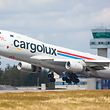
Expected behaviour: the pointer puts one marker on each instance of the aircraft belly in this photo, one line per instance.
(105, 74)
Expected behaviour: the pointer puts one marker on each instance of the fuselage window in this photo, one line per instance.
(11, 36)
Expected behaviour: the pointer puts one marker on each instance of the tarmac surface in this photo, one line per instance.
(21, 91)
(11, 89)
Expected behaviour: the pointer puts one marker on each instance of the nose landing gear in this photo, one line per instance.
(51, 77)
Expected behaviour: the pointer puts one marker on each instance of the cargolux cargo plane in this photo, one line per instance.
(35, 55)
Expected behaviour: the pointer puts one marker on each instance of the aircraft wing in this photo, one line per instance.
(91, 64)
(54, 61)
(48, 59)
(97, 64)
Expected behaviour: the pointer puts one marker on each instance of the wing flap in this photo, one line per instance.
(97, 64)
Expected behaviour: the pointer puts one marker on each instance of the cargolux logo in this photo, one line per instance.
(35, 48)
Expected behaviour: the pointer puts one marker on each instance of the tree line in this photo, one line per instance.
(12, 76)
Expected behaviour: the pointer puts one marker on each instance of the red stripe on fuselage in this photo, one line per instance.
(76, 55)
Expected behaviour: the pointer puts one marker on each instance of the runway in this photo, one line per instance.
(22, 91)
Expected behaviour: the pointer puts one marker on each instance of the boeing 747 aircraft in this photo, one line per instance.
(35, 55)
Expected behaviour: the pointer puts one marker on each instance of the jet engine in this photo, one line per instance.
(23, 66)
(75, 66)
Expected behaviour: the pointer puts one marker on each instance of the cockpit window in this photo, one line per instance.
(11, 36)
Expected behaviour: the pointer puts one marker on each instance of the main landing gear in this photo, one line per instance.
(70, 77)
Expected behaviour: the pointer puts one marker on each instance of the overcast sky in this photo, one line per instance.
(66, 23)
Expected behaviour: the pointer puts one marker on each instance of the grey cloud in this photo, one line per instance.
(52, 16)
(60, 22)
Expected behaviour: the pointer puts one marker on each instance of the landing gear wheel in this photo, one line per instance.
(51, 77)
(70, 77)
(64, 78)
(76, 81)
(68, 81)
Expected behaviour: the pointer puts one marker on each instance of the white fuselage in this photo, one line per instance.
(23, 48)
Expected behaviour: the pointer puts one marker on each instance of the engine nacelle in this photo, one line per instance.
(26, 67)
(75, 66)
